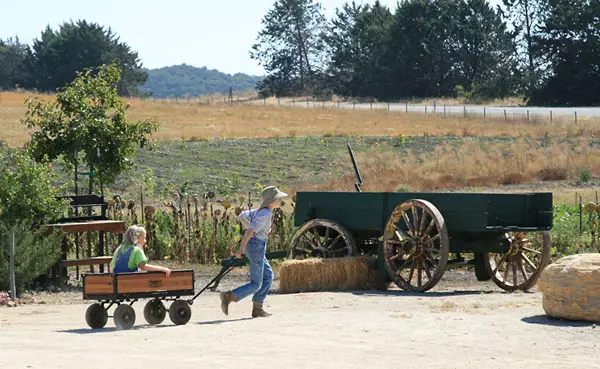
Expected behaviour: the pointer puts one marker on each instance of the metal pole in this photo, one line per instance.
(13, 290)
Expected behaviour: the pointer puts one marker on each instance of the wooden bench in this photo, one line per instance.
(99, 260)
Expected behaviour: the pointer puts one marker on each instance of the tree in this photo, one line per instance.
(59, 55)
(484, 50)
(570, 42)
(526, 19)
(421, 48)
(290, 47)
(88, 116)
(15, 58)
(358, 39)
(27, 200)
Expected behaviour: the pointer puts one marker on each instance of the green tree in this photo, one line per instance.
(15, 59)
(526, 19)
(570, 42)
(27, 200)
(89, 116)
(358, 38)
(75, 46)
(290, 47)
(484, 50)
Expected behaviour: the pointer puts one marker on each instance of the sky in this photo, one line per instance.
(217, 34)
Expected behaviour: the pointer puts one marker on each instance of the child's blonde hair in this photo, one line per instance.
(132, 234)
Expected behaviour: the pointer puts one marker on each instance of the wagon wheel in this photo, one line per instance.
(155, 312)
(124, 316)
(322, 238)
(520, 267)
(180, 312)
(95, 316)
(416, 245)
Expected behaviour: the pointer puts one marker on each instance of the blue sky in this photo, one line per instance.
(215, 34)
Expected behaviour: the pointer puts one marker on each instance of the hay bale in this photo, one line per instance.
(571, 288)
(312, 275)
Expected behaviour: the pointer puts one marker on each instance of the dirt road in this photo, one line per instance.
(471, 326)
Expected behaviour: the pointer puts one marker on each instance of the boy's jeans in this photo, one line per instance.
(261, 274)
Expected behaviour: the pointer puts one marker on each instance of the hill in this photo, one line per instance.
(186, 80)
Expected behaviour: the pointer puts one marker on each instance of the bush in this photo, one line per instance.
(35, 253)
(585, 175)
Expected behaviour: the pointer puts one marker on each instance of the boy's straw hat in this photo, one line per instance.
(270, 194)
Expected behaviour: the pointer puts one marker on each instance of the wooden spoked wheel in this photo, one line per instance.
(520, 267)
(321, 238)
(416, 245)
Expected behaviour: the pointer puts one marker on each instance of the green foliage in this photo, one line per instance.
(27, 200)
(585, 175)
(290, 47)
(565, 231)
(570, 44)
(27, 190)
(59, 55)
(35, 252)
(185, 80)
(15, 62)
(89, 116)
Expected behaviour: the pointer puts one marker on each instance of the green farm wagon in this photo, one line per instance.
(505, 236)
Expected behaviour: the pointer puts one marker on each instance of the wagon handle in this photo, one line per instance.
(360, 181)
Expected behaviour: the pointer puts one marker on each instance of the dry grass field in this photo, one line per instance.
(512, 154)
(188, 121)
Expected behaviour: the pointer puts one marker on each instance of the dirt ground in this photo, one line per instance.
(461, 323)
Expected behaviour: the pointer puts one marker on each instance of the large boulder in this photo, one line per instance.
(571, 287)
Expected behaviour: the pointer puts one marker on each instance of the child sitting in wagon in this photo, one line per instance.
(130, 256)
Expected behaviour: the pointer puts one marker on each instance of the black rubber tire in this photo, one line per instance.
(95, 316)
(155, 312)
(180, 312)
(124, 316)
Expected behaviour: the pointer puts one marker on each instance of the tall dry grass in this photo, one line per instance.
(190, 121)
(473, 164)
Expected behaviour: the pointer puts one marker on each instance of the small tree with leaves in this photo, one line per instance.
(27, 200)
(88, 116)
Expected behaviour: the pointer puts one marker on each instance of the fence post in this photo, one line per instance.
(425, 109)
(505, 119)
(406, 108)
(580, 216)
(575, 117)
(388, 106)
(527, 115)
(307, 103)
(465, 111)
(444, 111)
(13, 291)
(293, 101)
(550, 116)
(338, 103)
(484, 114)
(371, 104)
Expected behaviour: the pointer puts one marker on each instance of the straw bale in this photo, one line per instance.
(312, 275)
(571, 288)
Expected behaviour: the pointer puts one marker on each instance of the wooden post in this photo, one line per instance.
(11, 277)
(371, 104)
(444, 111)
(425, 109)
(388, 106)
(484, 113)
(580, 216)
(338, 103)
(406, 108)
(505, 119)
(527, 115)
(550, 116)
(465, 111)
(575, 117)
